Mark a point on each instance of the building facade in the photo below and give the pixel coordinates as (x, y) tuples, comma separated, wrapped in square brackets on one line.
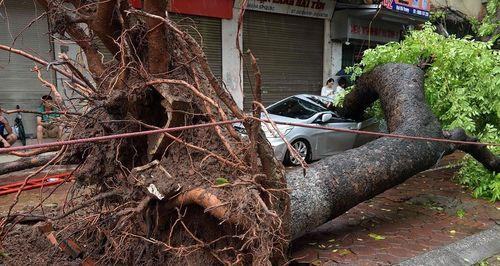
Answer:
[(299, 44), (18, 84)]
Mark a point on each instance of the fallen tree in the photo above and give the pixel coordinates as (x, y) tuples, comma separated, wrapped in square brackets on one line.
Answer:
[(209, 196)]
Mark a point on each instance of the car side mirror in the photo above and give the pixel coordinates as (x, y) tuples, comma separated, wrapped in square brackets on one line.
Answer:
[(326, 117)]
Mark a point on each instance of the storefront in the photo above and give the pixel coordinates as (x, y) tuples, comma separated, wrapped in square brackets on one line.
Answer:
[(287, 38), (358, 28), (19, 85), (203, 20)]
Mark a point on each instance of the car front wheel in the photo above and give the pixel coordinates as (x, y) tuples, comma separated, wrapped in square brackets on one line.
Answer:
[(304, 150)]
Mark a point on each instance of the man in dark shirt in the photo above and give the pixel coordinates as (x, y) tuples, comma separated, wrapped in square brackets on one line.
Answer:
[(7, 136)]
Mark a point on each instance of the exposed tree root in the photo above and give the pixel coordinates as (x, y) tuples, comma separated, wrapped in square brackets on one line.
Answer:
[(204, 196)]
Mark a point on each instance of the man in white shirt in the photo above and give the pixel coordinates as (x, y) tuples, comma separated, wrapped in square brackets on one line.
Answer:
[(327, 90)]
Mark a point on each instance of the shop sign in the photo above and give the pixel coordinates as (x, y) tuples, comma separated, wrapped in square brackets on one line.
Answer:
[(207, 8), (305, 8), (412, 7), (378, 32)]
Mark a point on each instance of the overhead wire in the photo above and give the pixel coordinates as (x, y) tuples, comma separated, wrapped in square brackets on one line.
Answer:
[(180, 128)]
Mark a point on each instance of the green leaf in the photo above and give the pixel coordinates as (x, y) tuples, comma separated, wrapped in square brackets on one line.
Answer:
[(344, 252), (221, 181), (316, 262), (376, 237), (460, 213)]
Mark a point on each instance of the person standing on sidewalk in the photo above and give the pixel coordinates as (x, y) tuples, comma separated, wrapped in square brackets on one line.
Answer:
[(6, 139)]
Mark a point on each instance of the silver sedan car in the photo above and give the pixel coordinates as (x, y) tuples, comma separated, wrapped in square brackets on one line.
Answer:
[(311, 143)]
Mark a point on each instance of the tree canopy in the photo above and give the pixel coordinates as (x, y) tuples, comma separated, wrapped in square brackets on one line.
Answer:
[(461, 84)]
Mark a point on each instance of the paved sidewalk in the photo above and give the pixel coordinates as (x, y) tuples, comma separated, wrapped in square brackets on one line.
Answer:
[(4, 158), (472, 249), (426, 212)]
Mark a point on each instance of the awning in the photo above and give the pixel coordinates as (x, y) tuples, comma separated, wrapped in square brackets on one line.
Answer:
[(370, 22)]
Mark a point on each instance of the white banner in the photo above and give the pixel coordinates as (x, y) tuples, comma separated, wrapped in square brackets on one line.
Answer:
[(305, 8)]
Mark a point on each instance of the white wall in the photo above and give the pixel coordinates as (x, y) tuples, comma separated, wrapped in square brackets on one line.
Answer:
[(336, 57), (471, 8), (232, 69), (327, 52)]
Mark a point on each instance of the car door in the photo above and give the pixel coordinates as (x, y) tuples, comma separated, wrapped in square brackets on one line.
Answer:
[(372, 125), (331, 142)]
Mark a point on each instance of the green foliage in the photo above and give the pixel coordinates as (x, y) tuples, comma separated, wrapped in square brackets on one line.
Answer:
[(486, 184), (489, 25), (462, 86), (437, 15)]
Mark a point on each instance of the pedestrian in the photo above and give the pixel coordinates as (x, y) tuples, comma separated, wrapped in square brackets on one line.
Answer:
[(342, 84), (46, 126), (328, 90), (6, 138)]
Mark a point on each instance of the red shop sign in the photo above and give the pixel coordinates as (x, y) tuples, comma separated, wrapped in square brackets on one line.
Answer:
[(207, 8)]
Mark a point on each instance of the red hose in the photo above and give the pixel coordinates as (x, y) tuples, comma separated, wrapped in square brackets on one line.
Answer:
[(35, 183)]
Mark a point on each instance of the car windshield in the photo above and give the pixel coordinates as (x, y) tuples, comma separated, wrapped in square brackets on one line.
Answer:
[(322, 101), (297, 108)]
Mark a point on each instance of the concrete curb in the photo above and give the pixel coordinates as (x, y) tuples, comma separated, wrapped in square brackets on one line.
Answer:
[(467, 251)]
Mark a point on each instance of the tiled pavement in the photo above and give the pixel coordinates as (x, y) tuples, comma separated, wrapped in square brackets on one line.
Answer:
[(429, 210)]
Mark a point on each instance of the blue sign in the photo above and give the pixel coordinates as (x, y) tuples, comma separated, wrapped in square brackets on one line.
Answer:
[(412, 7)]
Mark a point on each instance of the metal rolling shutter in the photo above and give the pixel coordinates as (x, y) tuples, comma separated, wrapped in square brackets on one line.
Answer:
[(289, 51), (18, 85), (106, 54), (211, 37)]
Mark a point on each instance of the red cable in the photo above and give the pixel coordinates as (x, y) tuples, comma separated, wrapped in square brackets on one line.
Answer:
[(173, 129), (116, 136), (380, 134)]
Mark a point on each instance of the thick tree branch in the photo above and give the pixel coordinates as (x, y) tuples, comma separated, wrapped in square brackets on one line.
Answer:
[(106, 25), (94, 62), (157, 40), (25, 163), (338, 183), (480, 152), (96, 66)]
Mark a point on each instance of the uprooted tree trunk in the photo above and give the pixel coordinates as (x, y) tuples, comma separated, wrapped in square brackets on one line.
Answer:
[(210, 195)]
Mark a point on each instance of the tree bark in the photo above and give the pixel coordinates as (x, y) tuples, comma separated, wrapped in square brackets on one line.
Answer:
[(480, 152), (158, 57), (25, 163), (106, 26), (338, 183)]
